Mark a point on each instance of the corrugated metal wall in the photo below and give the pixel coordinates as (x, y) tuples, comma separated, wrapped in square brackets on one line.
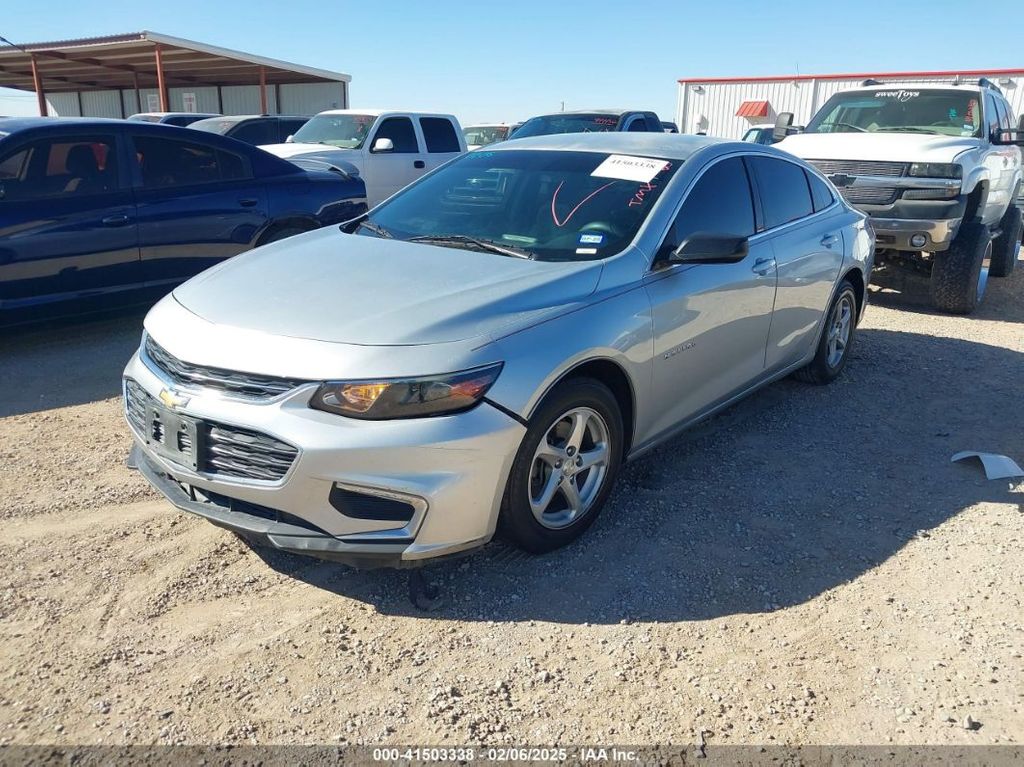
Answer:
[(712, 107), (298, 99)]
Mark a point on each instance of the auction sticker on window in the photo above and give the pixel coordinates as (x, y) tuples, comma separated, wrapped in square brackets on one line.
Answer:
[(627, 168)]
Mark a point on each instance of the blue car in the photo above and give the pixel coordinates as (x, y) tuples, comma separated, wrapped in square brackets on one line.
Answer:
[(101, 212)]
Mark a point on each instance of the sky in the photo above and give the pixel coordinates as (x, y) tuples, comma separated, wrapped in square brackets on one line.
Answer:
[(507, 61)]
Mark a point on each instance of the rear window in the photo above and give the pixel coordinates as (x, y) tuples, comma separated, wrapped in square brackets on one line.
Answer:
[(169, 163), (785, 196), (567, 123), (439, 134)]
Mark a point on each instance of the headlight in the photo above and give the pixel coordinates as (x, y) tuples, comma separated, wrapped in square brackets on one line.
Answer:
[(937, 170), (406, 397)]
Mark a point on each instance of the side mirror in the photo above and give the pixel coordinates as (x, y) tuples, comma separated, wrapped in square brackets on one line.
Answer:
[(1008, 137), (783, 126), (383, 145), (710, 248), (290, 139)]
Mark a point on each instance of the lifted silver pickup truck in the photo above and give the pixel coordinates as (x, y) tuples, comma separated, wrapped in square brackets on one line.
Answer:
[(938, 170)]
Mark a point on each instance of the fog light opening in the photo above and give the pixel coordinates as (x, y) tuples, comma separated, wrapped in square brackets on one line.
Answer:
[(919, 240)]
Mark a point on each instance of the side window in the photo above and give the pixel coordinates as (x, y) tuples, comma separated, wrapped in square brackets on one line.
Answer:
[(256, 132), (287, 128), (439, 134), (1004, 115), (637, 125), (60, 167), (991, 115), (785, 195), (821, 195), (168, 163), (719, 203), (401, 133)]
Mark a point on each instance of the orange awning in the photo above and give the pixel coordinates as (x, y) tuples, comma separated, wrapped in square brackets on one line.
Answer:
[(753, 109)]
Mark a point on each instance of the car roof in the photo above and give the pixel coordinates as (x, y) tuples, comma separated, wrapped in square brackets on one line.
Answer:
[(173, 114), (613, 112), (677, 146), (382, 112), (14, 124)]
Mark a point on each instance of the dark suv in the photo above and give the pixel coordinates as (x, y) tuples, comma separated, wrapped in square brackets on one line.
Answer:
[(257, 130)]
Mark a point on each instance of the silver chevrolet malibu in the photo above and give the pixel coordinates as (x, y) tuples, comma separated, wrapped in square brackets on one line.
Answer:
[(485, 349)]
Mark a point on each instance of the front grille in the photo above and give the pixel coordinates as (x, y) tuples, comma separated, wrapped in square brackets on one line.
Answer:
[(226, 451), (870, 195), (235, 452), (233, 382), (861, 167)]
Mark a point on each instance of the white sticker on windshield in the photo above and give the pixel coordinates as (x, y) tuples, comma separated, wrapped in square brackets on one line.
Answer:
[(627, 168)]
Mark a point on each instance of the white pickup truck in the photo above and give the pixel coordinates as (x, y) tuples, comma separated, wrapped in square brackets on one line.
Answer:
[(389, 149), (936, 167)]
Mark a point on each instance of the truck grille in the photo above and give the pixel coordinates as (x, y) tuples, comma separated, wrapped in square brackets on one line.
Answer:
[(869, 195), (242, 384), (226, 451), (861, 167)]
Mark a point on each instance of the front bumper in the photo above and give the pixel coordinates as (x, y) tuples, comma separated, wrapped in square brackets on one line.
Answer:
[(896, 233), (451, 469)]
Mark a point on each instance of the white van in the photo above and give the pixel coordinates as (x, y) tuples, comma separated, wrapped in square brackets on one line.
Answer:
[(390, 149)]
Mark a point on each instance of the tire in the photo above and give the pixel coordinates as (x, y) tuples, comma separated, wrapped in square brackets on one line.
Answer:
[(1006, 245), (960, 274), (281, 234), (531, 472), (836, 339)]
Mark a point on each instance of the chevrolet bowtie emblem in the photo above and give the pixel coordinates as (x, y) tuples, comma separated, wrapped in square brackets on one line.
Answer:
[(173, 399)]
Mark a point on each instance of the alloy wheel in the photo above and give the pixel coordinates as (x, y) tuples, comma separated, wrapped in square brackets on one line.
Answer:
[(569, 468), (840, 325)]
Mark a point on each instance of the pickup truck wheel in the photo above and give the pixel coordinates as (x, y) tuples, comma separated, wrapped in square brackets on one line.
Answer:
[(959, 275), (565, 468), (836, 338), (1004, 249)]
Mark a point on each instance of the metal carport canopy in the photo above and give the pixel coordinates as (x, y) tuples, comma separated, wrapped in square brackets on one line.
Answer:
[(143, 60)]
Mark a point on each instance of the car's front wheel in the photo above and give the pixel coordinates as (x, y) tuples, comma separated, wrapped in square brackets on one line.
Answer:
[(565, 468)]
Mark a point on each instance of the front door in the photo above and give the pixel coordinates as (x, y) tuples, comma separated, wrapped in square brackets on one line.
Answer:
[(388, 171), (67, 220), (197, 205), (711, 321)]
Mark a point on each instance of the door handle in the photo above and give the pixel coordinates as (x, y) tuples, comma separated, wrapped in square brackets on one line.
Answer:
[(829, 240), (119, 220), (762, 266), (419, 164), (248, 202)]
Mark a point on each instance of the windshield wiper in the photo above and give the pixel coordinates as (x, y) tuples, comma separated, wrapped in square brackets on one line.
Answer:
[(464, 239), (377, 229), (908, 129)]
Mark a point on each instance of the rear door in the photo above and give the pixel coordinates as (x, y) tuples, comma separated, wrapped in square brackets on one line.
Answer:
[(387, 172), (197, 204), (67, 219), (440, 140), (711, 321), (808, 248)]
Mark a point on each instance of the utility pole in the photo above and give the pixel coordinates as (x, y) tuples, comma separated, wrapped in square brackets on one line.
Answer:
[(563, 106)]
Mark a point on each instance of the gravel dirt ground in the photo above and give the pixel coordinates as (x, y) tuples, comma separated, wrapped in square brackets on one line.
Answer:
[(807, 568)]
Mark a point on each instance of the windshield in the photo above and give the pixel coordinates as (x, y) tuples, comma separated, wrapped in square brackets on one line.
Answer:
[(547, 125), (345, 131), (900, 110), (551, 206), (484, 135), (214, 125), (147, 118)]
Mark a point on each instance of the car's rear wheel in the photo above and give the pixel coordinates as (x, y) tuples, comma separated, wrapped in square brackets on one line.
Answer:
[(565, 468), (836, 339)]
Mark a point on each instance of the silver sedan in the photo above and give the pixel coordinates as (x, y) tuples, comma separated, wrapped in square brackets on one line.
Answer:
[(484, 350)]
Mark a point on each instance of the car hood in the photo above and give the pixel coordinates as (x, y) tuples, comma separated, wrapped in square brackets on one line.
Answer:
[(887, 147), (335, 287)]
